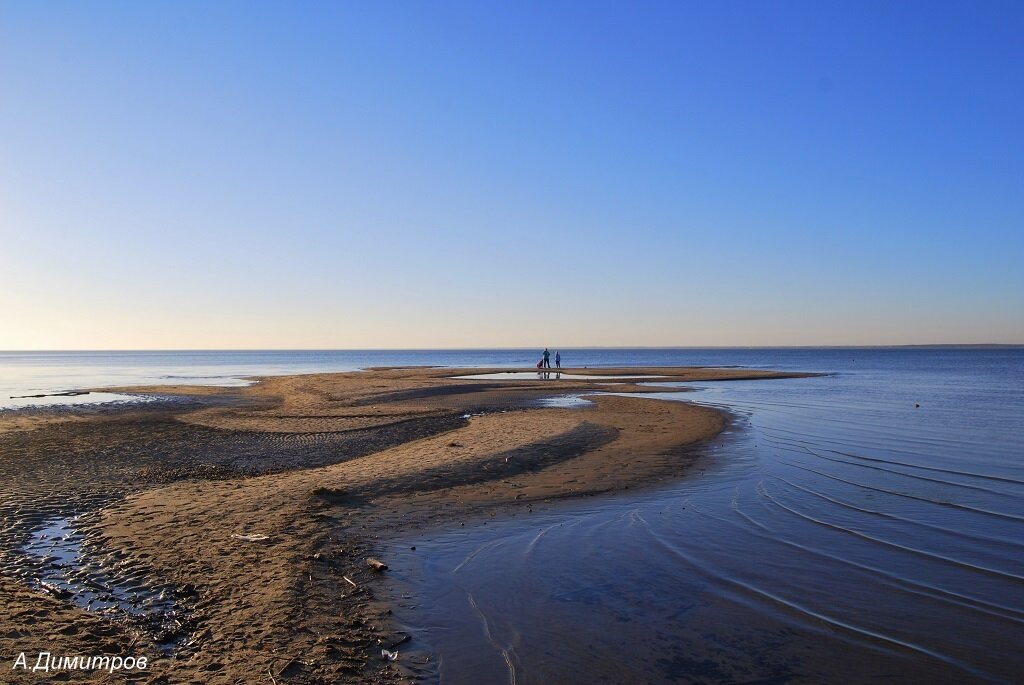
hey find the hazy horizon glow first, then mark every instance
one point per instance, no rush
(466, 175)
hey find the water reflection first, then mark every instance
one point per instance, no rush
(547, 374)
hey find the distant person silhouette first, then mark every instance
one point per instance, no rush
(547, 359)
(558, 360)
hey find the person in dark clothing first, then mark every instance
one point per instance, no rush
(547, 359)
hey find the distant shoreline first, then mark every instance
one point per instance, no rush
(952, 346)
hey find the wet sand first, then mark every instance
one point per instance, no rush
(323, 466)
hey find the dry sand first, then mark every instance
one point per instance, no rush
(323, 465)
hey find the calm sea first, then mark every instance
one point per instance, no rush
(861, 527)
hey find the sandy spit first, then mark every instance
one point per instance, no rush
(322, 466)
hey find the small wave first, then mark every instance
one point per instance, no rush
(944, 503)
(904, 519)
(472, 555)
(536, 538)
(908, 475)
(892, 579)
(972, 474)
(507, 652)
(820, 616)
(912, 550)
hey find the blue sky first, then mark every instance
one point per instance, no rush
(247, 174)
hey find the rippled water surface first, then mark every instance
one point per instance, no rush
(863, 527)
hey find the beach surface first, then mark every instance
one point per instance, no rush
(236, 525)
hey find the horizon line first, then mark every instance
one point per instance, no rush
(515, 348)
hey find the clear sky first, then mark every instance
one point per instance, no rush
(449, 174)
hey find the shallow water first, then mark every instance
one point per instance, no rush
(567, 401)
(36, 399)
(56, 549)
(546, 375)
(57, 559)
(838, 533)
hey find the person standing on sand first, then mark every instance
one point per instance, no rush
(558, 360)
(547, 359)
